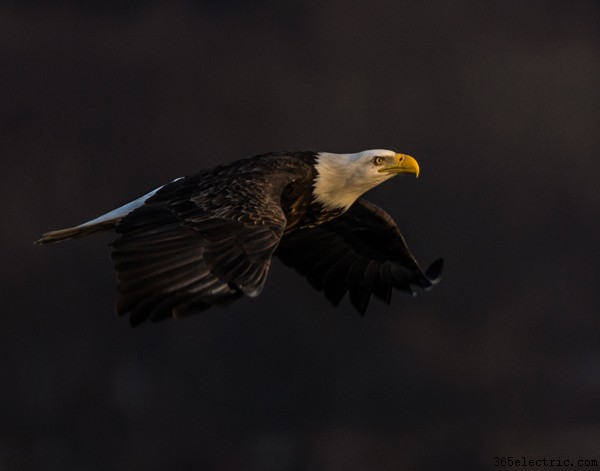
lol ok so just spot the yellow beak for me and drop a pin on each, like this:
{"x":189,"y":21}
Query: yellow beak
{"x":404,"y":164}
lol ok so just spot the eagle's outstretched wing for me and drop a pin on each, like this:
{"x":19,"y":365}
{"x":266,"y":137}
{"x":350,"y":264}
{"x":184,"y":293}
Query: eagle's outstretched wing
{"x":361,"y":252}
{"x":199,"y":241}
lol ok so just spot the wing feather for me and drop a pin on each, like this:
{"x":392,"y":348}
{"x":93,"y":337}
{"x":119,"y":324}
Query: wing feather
{"x":199,"y":241}
{"x":361,"y":253}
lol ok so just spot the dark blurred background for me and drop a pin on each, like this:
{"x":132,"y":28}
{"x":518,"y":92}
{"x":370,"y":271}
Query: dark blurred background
{"x":499,"y":101}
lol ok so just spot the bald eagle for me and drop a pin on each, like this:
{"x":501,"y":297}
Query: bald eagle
{"x":208,"y":239}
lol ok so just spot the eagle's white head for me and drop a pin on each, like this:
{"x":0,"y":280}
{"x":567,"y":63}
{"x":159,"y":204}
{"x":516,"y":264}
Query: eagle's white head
{"x":343,"y":178}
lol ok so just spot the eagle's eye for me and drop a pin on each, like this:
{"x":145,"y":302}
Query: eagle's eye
{"x":378,"y":160}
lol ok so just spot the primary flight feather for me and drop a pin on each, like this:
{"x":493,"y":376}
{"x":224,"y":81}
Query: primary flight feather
{"x":208,"y":239}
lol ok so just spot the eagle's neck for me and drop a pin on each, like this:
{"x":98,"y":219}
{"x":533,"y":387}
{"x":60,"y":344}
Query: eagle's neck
{"x":336,"y":186}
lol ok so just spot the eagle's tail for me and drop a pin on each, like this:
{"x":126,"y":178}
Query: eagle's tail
{"x":106,"y":222}
{"x":76,"y":232}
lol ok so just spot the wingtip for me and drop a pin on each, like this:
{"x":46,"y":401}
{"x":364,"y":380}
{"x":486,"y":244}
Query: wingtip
{"x":434,"y":272}
{"x":359,"y":298}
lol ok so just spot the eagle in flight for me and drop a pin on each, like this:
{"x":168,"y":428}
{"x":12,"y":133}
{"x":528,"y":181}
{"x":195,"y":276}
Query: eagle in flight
{"x":208,"y":239}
